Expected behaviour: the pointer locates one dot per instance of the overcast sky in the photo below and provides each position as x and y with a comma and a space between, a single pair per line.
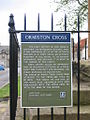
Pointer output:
31, 8
19, 8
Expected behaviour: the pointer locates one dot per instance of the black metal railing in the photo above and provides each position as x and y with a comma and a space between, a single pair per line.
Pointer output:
13, 63
14, 46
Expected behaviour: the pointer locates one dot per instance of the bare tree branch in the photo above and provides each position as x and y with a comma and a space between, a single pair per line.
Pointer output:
74, 7
79, 2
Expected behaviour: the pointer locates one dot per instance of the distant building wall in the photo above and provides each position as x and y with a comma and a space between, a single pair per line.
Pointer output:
4, 56
82, 49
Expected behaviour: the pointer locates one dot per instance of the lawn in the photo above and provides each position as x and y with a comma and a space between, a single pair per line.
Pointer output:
4, 92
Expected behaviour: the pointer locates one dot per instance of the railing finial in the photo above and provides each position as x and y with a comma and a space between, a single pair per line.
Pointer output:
11, 23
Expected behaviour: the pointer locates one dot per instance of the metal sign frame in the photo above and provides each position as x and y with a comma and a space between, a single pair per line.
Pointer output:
26, 40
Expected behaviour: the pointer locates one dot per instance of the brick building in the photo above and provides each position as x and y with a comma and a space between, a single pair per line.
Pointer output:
82, 49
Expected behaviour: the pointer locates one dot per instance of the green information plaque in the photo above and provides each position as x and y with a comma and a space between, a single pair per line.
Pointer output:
46, 69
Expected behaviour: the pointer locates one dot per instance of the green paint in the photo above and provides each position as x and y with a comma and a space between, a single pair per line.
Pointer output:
46, 74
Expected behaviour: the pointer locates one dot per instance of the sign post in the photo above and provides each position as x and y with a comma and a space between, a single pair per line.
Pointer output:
46, 69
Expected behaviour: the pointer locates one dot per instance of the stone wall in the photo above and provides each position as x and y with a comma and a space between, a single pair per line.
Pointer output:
84, 70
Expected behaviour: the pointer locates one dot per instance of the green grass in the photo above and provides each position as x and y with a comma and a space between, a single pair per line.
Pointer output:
19, 86
4, 92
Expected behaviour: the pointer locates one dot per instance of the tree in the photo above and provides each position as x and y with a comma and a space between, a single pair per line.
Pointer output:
73, 8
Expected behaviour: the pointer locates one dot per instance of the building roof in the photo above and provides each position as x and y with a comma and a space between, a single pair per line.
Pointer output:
82, 44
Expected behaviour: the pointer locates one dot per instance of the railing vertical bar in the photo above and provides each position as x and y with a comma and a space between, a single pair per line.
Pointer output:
25, 22
64, 113
52, 22
24, 113
52, 30
73, 57
38, 114
25, 30
73, 48
13, 83
78, 117
52, 113
38, 22
16, 73
14, 79
85, 49
11, 63
65, 24
65, 28
11, 78
38, 110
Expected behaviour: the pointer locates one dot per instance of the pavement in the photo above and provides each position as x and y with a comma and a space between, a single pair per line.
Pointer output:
4, 77
84, 110
5, 111
4, 105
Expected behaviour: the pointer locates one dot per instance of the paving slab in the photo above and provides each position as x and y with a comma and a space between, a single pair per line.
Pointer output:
59, 113
5, 111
